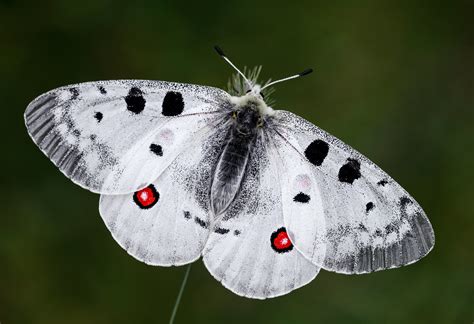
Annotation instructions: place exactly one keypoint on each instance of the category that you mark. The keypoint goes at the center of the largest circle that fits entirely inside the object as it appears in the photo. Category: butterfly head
(244, 88)
(247, 84)
(256, 92)
(249, 112)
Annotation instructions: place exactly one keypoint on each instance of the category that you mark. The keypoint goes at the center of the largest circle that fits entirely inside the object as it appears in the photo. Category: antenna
(221, 53)
(305, 72)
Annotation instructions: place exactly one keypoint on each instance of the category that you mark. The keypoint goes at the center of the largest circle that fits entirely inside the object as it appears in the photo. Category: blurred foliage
(395, 80)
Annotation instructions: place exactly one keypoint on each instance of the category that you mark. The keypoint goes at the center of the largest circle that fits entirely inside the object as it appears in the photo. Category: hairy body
(248, 114)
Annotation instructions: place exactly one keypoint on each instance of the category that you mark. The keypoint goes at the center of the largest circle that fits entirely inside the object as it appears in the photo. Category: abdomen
(230, 171)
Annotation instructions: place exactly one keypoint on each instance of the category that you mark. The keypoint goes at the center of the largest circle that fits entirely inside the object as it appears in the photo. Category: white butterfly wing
(249, 251)
(116, 137)
(370, 222)
(167, 223)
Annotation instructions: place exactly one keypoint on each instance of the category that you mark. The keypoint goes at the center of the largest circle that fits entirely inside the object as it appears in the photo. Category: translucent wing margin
(371, 222)
(116, 137)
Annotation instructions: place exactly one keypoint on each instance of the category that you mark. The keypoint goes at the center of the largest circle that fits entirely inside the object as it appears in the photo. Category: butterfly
(265, 197)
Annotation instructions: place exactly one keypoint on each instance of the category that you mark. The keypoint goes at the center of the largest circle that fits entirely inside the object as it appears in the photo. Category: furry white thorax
(256, 98)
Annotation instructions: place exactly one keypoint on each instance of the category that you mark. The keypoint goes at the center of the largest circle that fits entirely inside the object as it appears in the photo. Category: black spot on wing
(301, 198)
(102, 90)
(221, 230)
(316, 152)
(187, 214)
(98, 115)
(74, 93)
(201, 222)
(236, 232)
(135, 101)
(349, 171)
(157, 149)
(173, 104)
(405, 201)
(370, 205)
(392, 227)
(362, 227)
(382, 182)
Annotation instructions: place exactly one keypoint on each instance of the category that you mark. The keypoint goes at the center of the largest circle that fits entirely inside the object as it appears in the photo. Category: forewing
(167, 223)
(371, 222)
(248, 250)
(116, 137)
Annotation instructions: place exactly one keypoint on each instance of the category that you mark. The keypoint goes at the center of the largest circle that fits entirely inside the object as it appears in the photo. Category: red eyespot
(280, 241)
(147, 197)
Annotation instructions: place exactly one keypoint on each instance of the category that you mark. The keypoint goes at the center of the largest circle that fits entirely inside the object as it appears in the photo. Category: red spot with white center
(147, 197)
(280, 241)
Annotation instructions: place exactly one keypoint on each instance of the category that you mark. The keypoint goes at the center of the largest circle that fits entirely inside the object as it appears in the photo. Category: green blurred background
(394, 80)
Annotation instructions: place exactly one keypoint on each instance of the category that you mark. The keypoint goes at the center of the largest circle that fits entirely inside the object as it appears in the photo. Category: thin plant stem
(178, 299)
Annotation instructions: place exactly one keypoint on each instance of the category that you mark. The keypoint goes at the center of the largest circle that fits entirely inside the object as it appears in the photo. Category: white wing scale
(250, 252)
(99, 134)
(167, 223)
(371, 222)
